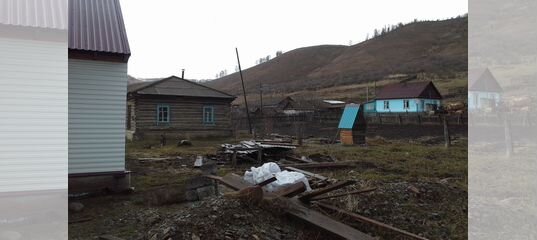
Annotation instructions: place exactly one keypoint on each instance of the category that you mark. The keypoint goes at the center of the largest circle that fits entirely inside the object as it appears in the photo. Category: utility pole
(244, 92)
(367, 92)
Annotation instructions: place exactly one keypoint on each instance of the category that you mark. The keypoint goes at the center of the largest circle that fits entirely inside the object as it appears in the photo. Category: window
(163, 113)
(208, 115)
(406, 104)
(386, 104)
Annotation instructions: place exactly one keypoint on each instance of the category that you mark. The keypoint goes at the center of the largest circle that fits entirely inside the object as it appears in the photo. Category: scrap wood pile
(255, 151)
(308, 204)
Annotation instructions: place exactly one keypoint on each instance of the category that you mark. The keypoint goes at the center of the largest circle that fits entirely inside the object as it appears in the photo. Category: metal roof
(50, 14)
(350, 114)
(175, 86)
(409, 90)
(483, 80)
(97, 25)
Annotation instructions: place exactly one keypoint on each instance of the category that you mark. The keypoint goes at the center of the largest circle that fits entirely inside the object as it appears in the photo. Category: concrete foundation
(99, 182)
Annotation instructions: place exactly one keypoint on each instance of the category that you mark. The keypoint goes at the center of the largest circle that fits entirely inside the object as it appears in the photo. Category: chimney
(183, 73)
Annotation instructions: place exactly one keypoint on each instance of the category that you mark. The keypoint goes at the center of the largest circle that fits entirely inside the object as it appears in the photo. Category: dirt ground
(437, 211)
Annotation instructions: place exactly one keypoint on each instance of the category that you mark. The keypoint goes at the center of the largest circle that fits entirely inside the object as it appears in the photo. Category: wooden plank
(310, 174)
(298, 210)
(292, 190)
(320, 165)
(326, 189)
(344, 194)
(367, 220)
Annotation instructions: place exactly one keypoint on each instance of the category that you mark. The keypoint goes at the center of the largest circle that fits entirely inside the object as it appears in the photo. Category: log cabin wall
(185, 116)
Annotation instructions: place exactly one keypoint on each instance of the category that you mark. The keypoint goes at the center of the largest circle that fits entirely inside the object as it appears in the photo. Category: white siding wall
(33, 115)
(97, 100)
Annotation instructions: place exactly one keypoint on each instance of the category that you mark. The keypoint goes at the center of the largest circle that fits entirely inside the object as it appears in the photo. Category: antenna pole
(244, 92)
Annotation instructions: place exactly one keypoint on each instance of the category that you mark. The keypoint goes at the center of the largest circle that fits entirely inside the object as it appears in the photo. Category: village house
(177, 107)
(484, 92)
(416, 97)
(98, 56)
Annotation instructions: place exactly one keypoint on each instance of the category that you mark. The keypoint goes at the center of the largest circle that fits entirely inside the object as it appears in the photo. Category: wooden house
(177, 107)
(416, 97)
(484, 92)
(98, 56)
(352, 125)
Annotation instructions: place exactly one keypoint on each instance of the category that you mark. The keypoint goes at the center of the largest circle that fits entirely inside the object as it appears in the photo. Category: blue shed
(352, 125)
(416, 97)
(484, 92)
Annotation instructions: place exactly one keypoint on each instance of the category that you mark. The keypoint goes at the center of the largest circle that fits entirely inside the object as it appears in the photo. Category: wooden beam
(292, 190)
(344, 194)
(266, 182)
(367, 220)
(321, 165)
(310, 174)
(298, 210)
(310, 195)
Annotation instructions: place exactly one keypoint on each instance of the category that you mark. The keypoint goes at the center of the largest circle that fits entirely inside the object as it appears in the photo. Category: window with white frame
(163, 113)
(406, 104)
(208, 115)
(386, 104)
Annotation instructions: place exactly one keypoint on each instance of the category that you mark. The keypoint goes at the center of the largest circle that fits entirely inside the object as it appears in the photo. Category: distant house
(98, 56)
(177, 107)
(286, 106)
(484, 92)
(414, 97)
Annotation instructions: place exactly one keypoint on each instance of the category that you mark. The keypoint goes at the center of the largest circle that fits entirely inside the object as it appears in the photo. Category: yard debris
(184, 142)
(199, 161)
(321, 165)
(308, 196)
(269, 170)
(363, 219)
(255, 151)
(296, 209)
(344, 194)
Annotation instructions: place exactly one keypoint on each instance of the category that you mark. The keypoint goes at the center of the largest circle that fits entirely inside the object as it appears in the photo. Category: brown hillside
(433, 47)
(293, 66)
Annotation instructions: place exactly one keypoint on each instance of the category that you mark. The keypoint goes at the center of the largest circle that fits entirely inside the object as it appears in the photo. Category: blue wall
(482, 100)
(396, 105)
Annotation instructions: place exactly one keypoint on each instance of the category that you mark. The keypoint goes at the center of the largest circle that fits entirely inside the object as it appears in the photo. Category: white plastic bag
(269, 170)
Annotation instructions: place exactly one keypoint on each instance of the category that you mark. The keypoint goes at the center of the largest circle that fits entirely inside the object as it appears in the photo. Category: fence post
(508, 137)
(447, 138)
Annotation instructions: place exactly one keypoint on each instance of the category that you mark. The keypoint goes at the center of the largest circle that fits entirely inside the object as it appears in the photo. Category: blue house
(484, 92)
(416, 97)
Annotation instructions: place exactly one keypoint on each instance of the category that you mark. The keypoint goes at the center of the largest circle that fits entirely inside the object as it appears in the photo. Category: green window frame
(208, 115)
(163, 113)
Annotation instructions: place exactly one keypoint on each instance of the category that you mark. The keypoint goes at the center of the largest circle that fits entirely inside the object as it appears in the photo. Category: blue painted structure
(415, 97)
(349, 116)
(411, 105)
(484, 92)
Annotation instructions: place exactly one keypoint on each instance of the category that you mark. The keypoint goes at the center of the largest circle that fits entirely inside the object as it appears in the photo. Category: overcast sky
(200, 35)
